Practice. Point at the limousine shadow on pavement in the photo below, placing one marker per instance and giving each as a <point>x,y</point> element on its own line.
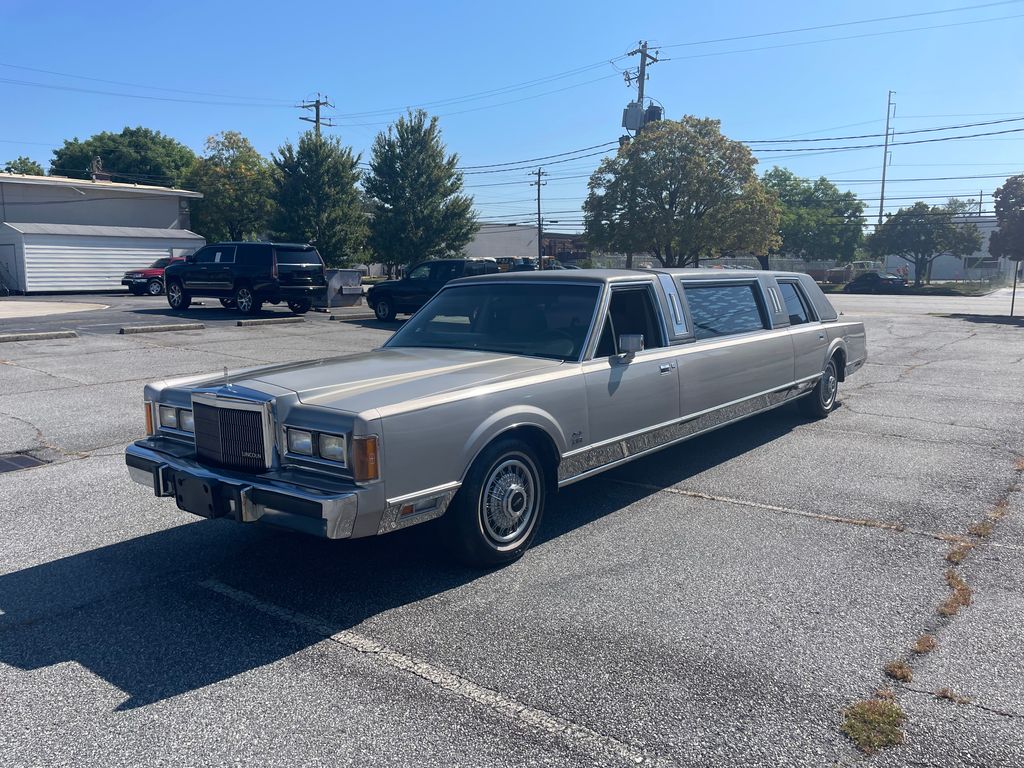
<point>141,614</point>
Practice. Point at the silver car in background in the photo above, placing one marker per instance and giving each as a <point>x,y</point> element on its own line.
<point>501,390</point>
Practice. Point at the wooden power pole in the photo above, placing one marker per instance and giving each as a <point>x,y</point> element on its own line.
<point>316,119</point>
<point>540,222</point>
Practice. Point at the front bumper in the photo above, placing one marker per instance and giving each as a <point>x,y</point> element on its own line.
<point>130,281</point>
<point>273,498</point>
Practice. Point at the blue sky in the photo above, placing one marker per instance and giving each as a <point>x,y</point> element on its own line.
<point>373,59</point>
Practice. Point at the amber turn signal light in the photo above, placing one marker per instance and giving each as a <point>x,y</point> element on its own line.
<point>365,461</point>
<point>149,417</point>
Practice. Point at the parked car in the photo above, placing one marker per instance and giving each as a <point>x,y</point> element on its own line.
<point>501,390</point>
<point>245,275</point>
<point>421,282</point>
<point>875,282</point>
<point>149,280</point>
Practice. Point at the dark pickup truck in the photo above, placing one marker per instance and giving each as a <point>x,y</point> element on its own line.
<point>245,275</point>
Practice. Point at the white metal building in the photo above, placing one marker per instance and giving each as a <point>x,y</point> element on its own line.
<point>503,240</point>
<point>979,265</point>
<point>61,234</point>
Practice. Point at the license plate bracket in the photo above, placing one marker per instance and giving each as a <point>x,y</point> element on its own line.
<point>199,496</point>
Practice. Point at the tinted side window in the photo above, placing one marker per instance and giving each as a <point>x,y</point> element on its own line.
<point>204,255</point>
<point>449,270</point>
<point>422,272</point>
<point>254,255</point>
<point>223,254</point>
<point>723,310</point>
<point>796,307</point>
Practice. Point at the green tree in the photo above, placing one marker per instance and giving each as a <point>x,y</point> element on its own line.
<point>24,165</point>
<point>135,155</point>
<point>418,207</point>
<point>317,198</point>
<point>1008,241</point>
<point>817,221</point>
<point>921,233</point>
<point>237,186</point>
<point>681,191</point>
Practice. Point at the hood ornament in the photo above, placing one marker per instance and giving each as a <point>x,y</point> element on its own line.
<point>227,379</point>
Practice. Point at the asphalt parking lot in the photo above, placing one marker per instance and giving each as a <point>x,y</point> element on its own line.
<point>719,603</point>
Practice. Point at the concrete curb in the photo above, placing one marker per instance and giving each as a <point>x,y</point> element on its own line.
<point>161,328</point>
<point>364,316</point>
<point>270,321</point>
<point>38,336</point>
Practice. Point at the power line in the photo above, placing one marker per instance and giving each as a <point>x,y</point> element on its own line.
<point>896,143</point>
<point>75,89</point>
<point>840,24</point>
<point>880,135</point>
<point>545,157</point>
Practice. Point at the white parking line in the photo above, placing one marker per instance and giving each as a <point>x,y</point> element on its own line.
<point>505,706</point>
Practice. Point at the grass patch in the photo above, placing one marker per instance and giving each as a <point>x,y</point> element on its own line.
<point>960,596</point>
<point>899,670</point>
<point>999,511</point>
<point>981,529</point>
<point>959,552</point>
<point>1019,466</point>
<point>948,695</point>
<point>874,724</point>
<point>925,644</point>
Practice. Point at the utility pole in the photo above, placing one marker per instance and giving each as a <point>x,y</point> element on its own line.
<point>315,106</point>
<point>540,222</point>
<point>641,74</point>
<point>890,110</point>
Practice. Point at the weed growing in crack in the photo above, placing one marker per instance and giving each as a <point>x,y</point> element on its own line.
<point>925,644</point>
<point>961,594</point>
<point>899,670</point>
<point>959,552</point>
<point>945,693</point>
<point>981,529</point>
<point>999,511</point>
<point>874,724</point>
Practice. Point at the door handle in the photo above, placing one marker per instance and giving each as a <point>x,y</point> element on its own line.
<point>821,337</point>
<point>666,367</point>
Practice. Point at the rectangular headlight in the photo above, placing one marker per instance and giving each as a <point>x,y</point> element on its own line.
<point>185,421</point>
<point>300,442</point>
<point>168,417</point>
<point>332,448</point>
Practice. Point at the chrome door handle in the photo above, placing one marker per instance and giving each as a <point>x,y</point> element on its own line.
<point>821,337</point>
<point>665,367</point>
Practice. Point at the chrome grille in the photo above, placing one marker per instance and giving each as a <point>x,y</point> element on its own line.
<point>229,437</point>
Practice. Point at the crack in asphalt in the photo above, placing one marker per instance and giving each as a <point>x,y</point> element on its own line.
<point>968,703</point>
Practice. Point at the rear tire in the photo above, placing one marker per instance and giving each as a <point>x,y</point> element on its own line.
<point>384,309</point>
<point>177,297</point>
<point>246,300</point>
<point>155,287</point>
<point>300,307</point>
<point>495,515</point>
<point>822,401</point>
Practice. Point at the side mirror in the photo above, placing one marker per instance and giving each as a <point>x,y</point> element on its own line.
<point>631,343</point>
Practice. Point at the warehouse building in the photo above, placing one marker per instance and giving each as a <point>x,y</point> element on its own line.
<point>61,234</point>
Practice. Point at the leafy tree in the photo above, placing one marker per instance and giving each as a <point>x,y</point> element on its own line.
<point>921,233</point>
<point>135,155</point>
<point>317,199</point>
<point>237,186</point>
<point>418,207</point>
<point>817,222</point>
<point>681,191</point>
<point>1008,240</point>
<point>24,165</point>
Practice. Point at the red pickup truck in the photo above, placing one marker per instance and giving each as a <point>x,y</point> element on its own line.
<point>149,280</point>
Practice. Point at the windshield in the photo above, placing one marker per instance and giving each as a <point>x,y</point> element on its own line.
<point>549,320</point>
<point>159,263</point>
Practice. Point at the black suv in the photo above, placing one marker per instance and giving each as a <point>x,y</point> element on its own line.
<point>421,283</point>
<point>245,275</point>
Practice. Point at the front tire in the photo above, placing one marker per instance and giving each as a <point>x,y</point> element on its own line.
<point>155,287</point>
<point>822,401</point>
<point>246,301</point>
<point>497,511</point>
<point>177,298</point>
<point>384,309</point>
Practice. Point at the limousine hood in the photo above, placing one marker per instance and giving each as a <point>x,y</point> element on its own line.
<point>389,377</point>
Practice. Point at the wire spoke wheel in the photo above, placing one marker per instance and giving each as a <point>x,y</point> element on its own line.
<point>829,386</point>
<point>508,501</point>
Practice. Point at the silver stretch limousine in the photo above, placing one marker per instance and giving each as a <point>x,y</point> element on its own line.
<point>501,390</point>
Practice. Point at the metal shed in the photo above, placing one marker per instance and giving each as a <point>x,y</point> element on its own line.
<point>37,257</point>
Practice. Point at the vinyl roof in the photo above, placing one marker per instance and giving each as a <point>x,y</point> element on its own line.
<point>64,181</point>
<point>617,275</point>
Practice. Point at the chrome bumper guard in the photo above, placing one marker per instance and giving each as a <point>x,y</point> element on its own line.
<point>245,498</point>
